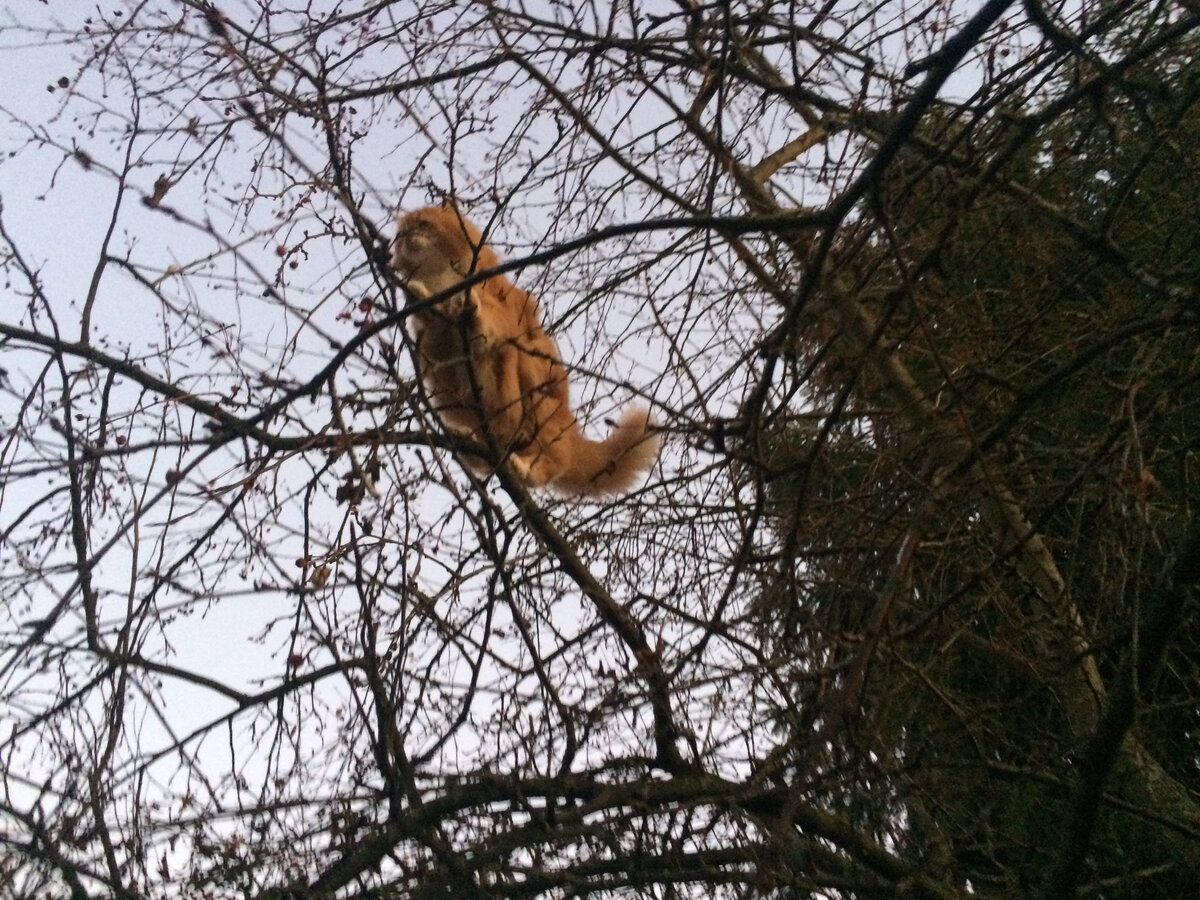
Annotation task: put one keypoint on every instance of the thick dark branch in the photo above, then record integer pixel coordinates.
(576, 798)
(1163, 609)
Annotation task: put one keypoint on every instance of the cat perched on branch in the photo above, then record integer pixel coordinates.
(494, 376)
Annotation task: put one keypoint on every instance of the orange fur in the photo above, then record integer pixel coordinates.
(494, 375)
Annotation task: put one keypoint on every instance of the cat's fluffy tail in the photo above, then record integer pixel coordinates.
(612, 465)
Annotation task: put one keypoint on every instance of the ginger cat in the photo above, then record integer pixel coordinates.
(494, 376)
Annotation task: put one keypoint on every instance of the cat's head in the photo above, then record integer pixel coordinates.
(430, 239)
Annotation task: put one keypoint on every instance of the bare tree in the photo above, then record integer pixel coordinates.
(902, 610)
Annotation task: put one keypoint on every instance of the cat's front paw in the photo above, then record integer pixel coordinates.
(519, 467)
(456, 306)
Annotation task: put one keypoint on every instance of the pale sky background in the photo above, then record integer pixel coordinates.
(57, 214)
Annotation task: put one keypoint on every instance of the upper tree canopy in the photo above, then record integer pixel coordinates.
(905, 608)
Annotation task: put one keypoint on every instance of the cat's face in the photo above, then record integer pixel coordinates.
(416, 244)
